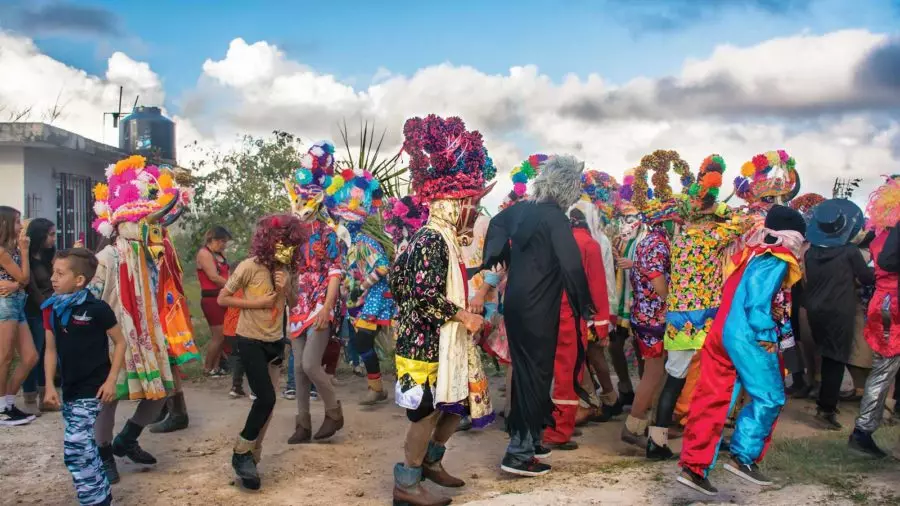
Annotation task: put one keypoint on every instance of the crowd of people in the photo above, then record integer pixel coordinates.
(722, 305)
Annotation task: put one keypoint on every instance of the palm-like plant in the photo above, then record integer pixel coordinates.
(388, 171)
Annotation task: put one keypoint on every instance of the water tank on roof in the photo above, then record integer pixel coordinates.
(147, 132)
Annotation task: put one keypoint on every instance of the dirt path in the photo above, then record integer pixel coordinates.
(355, 468)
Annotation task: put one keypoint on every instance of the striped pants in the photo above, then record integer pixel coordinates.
(80, 452)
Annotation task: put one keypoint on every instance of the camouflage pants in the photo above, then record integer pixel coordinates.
(80, 452)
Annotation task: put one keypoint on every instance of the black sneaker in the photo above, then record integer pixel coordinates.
(12, 416)
(749, 472)
(828, 421)
(531, 468)
(696, 482)
(542, 452)
(245, 468)
(236, 392)
(657, 452)
(862, 442)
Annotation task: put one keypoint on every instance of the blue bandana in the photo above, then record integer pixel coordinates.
(62, 304)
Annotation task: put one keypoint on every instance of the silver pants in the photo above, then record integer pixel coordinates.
(871, 408)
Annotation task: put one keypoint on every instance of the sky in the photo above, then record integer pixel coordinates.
(605, 80)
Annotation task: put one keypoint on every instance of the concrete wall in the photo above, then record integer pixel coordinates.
(12, 177)
(42, 167)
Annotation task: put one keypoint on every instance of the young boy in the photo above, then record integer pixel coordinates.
(77, 325)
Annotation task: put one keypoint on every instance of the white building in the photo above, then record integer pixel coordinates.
(48, 172)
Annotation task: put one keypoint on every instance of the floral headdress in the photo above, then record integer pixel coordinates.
(314, 174)
(768, 177)
(403, 217)
(134, 192)
(521, 175)
(805, 203)
(884, 205)
(624, 207)
(353, 194)
(446, 160)
(602, 190)
(663, 206)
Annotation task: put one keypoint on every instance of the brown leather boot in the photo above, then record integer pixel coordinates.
(302, 430)
(433, 470)
(333, 422)
(375, 394)
(408, 489)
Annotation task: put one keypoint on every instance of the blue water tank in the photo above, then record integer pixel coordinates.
(147, 132)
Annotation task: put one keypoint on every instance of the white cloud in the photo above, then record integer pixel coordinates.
(801, 93)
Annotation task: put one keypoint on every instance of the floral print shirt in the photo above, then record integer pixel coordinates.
(419, 283)
(651, 260)
(695, 289)
(321, 262)
(368, 294)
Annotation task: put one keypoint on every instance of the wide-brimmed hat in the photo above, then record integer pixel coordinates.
(834, 222)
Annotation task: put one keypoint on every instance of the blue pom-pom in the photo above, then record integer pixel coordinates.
(377, 193)
(520, 177)
(360, 182)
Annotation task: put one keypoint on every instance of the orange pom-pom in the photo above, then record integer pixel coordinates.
(711, 180)
(748, 169)
(101, 192)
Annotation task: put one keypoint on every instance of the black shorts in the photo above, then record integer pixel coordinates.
(426, 407)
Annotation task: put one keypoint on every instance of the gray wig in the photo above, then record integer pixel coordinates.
(559, 180)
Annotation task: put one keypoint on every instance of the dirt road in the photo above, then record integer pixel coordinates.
(355, 468)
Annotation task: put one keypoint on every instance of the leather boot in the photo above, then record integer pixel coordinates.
(109, 464)
(433, 470)
(408, 489)
(302, 430)
(126, 445)
(244, 465)
(375, 394)
(177, 419)
(31, 403)
(333, 422)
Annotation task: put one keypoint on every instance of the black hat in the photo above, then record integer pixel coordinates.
(784, 218)
(834, 222)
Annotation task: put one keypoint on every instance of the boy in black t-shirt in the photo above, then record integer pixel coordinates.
(77, 325)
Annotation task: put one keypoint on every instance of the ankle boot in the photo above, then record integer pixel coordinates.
(31, 403)
(302, 430)
(177, 419)
(163, 413)
(109, 464)
(244, 465)
(375, 394)
(408, 489)
(126, 445)
(433, 470)
(333, 422)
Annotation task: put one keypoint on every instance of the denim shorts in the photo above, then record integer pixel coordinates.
(12, 308)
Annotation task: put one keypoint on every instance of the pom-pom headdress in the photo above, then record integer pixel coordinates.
(403, 217)
(521, 175)
(884, 205)
(314, 174)
(353, 194)
(768, 177)
(137, 192)
(805, 203)
(663, 206)
(705, 190)
(446, 160)
(602, 190)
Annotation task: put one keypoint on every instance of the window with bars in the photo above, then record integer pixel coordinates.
(75, 211)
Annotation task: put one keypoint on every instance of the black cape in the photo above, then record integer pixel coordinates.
(831, 298)
(535, 242)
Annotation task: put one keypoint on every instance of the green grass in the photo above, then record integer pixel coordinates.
(826, 460)
(194, 369)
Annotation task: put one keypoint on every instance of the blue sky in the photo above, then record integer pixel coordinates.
(353, 39)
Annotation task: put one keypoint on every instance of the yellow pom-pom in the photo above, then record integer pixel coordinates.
(132, 162)
(165, 198)
(748, 169)
(774, 159)
(353, 205)
(337, 182)
(101, 192)
(165, 181)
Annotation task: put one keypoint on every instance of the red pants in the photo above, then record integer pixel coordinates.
(564, 396)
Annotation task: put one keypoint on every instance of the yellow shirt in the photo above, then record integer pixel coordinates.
(256, 281)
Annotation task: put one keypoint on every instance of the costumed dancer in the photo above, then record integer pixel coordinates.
(534, 241)
(833, 267)
(315, 317)
(600, 195)
(132, 209)
(694, 290)
(650, 280)
(741, 352)
(266, 279)
(439, 372)
(629, 231)
(882, 329)
(403, 217)
(370, 305)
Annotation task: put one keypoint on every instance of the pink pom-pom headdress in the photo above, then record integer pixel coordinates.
(403, 217)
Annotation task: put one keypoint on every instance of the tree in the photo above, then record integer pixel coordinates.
(235, 189)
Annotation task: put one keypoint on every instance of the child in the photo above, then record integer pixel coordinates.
(77, 325)
(14, 333)
(265, 277)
